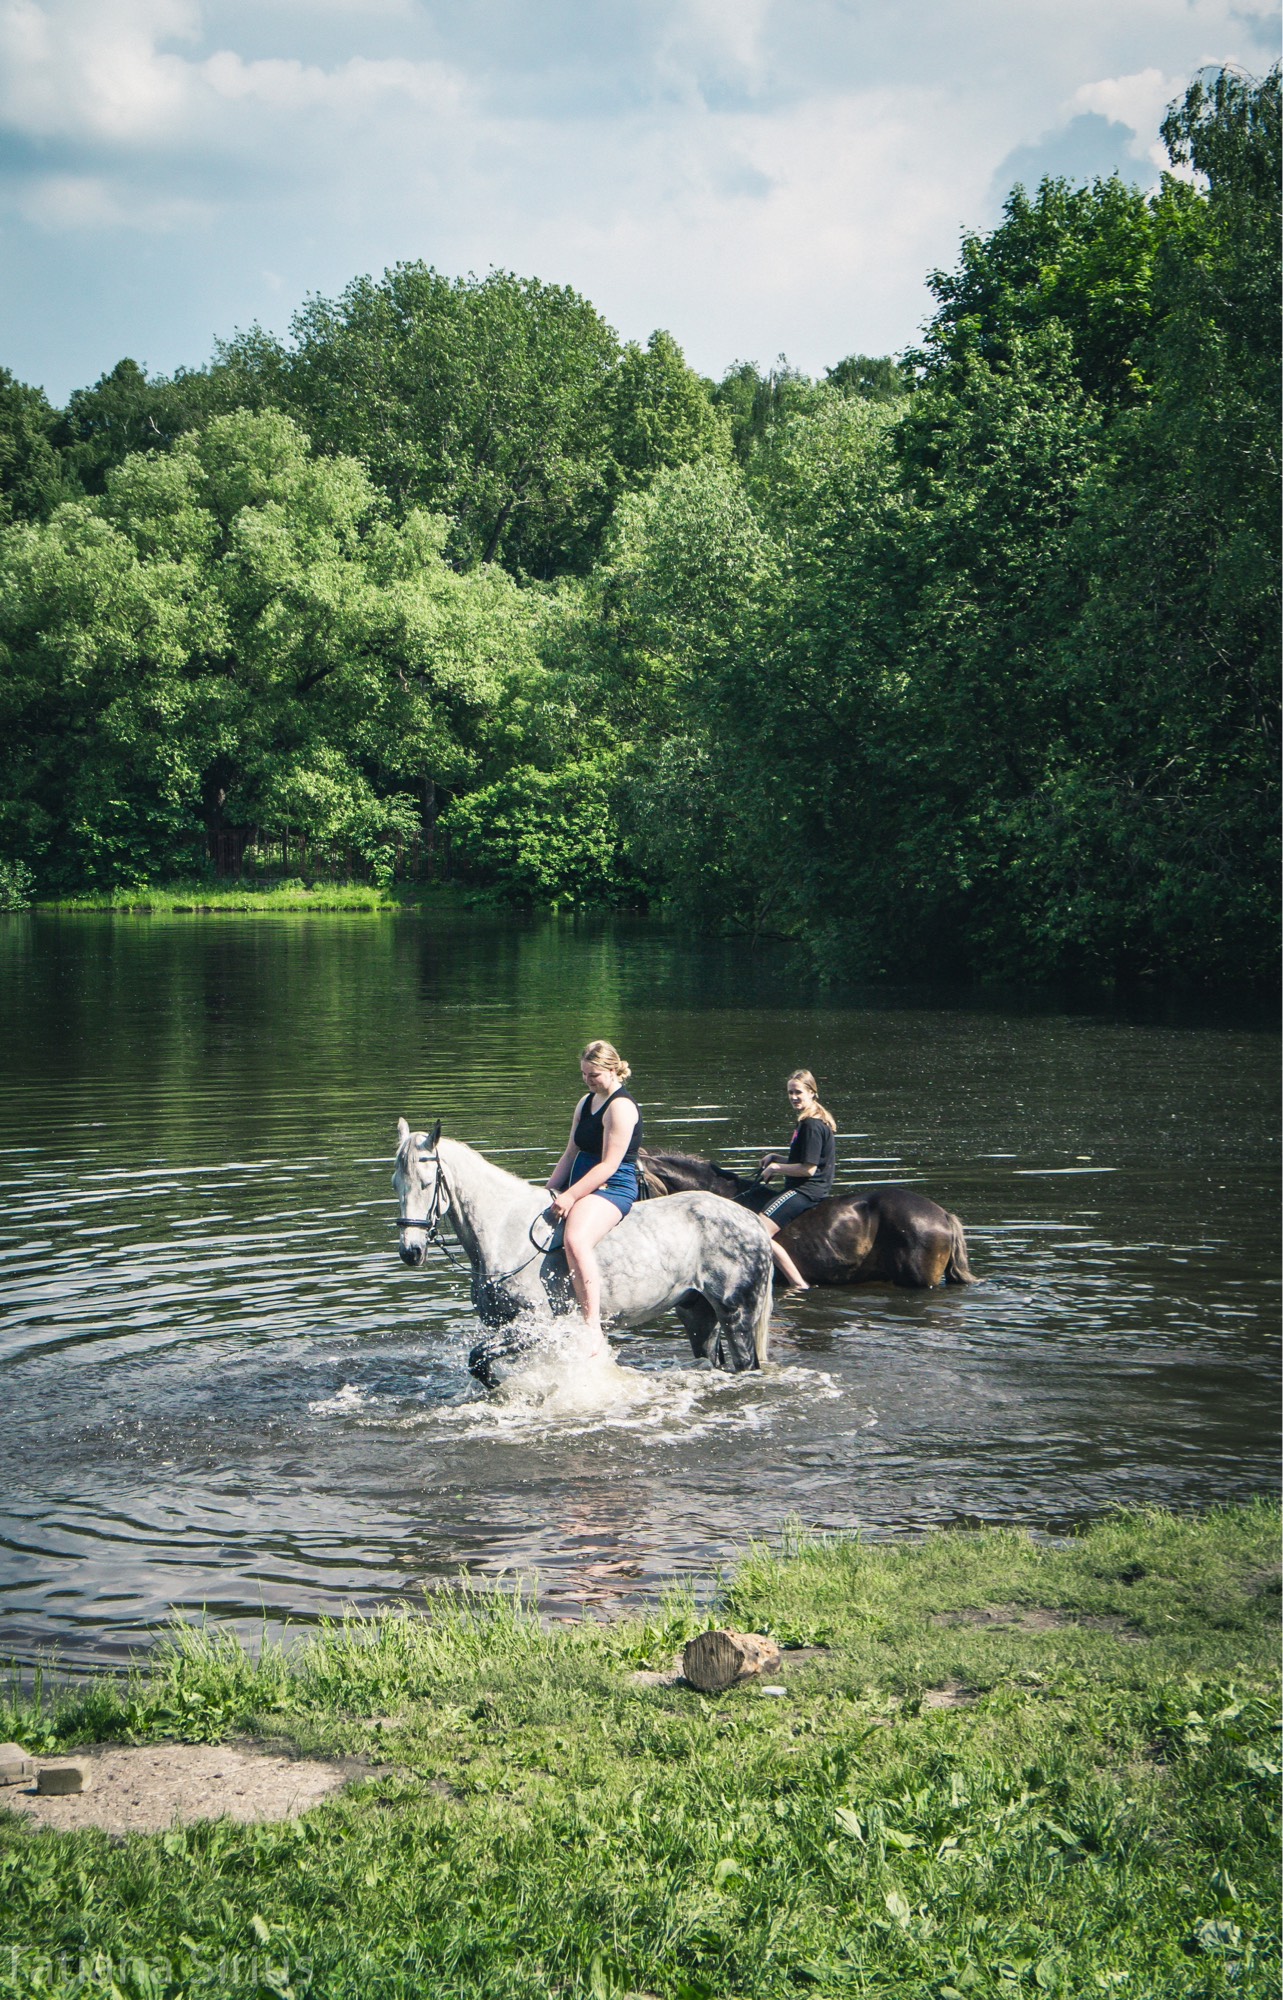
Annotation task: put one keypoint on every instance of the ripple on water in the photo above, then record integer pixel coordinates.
(221, 1388)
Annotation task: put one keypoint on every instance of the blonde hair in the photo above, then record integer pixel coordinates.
(807, 1081)
(609, 1057)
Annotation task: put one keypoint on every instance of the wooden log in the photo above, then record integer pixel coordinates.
(716, 1660)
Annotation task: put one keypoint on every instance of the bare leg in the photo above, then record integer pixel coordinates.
(783, 1262)
(591, 1218)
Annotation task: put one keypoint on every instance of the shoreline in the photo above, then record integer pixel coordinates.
(999, 1766)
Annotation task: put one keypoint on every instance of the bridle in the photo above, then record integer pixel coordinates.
(437, 1206)
(431, 1222)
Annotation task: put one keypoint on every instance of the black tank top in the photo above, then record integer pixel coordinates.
(590, 1134)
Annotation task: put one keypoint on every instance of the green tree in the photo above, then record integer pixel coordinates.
(483, 399)
(31, 476)
(875, 377)
(753, 403)
(547, 836)
(236, 634)
(661, 414)
(1163, 844)
(127, 411)
(1081, 256)
(502, 402)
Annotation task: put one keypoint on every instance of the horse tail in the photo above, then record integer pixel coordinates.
(762, 1318)
(957, 1271)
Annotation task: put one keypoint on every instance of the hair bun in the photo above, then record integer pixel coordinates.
(609, 1057)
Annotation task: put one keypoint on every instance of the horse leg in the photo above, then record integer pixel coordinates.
(500, 1348)
(919, 1261)
(743, 1326)
(701, 1323)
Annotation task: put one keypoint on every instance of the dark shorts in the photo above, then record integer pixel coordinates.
(778, 1208)
(621, 1188)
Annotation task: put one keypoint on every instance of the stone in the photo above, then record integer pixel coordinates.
(16, 1768)
(56, 1780)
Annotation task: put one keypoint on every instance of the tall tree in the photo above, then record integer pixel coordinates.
(31, 475)
(483, 399)
(1082, 256)
(235, 634)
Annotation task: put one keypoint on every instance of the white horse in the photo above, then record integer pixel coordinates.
(707, 1259)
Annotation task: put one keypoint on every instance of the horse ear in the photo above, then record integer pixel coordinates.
(433, 1136)
(402, 1133)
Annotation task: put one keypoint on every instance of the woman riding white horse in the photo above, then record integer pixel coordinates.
(695, 1254)
(594, 1183)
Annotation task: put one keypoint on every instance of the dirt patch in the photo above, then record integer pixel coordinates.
(1038, 1618)
(148, 1787)
(660, 1677)
(950, 1694)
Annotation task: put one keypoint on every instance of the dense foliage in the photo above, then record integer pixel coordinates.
(965, 662)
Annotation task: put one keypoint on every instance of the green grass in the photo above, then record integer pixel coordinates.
(185, 897)
(1097, 1819)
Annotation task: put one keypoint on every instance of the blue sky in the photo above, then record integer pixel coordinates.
(758, 176)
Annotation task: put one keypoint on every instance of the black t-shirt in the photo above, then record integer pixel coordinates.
(813, 1145)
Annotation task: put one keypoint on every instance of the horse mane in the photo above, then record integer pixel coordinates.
(705, 1173)
(416, 1143)
(446, 1147)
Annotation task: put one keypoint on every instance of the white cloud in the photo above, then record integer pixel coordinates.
(758, 175)
(717, 40)
(747, 233)
(63, 202)
(1139, 102)
(287, 85)
(70, 67)
(96, 70)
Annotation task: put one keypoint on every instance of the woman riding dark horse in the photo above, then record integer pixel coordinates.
(594, 1183)
(808, 1169)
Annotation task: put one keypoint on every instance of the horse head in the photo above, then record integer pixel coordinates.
(422, 1195)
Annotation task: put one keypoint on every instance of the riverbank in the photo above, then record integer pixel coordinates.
(998, 1768)
(192, 897)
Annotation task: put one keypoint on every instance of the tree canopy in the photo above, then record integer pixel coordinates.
(960, 661)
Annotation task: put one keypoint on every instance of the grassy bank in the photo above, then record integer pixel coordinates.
(185, 897)
(999, 1769)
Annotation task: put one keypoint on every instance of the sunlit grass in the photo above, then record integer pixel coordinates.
(195, 897)
(1095, 1816)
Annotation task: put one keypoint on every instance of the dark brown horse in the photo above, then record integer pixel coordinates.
(889, 1233)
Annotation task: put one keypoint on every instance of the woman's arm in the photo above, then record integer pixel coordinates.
(795, 1170)
(561, 1172)
(616, 1131)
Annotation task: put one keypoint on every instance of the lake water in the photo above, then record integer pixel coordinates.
(223, 1392)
